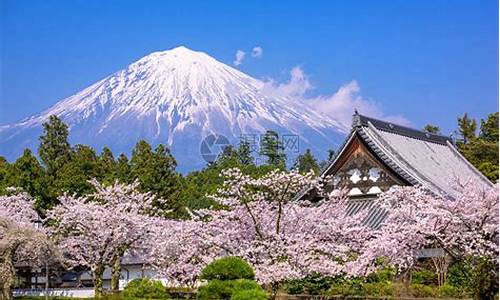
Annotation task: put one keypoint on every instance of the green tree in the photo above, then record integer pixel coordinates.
(306, 162)
(122, 169)
(4, 175)
(54, 149)
(245, 153)
(489, 128)
(74, 176)
(467, 128)
(28, 174)
(481, 151)
(107, 166)
(430, 128)
(273, 149)
(156, 173)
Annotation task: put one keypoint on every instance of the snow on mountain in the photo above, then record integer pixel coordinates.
(176, 97)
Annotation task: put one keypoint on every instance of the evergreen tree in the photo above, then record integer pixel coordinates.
(245, 153)
(432, 129)
(107, 166)
(29, 175)
(156, 173)
(122, 169)
(54, 149)
(332, 153)
(489, 128)
(273, 149)
(481, 151)
(306, 162)
(75, 174)
(467, 128)
(4, 175)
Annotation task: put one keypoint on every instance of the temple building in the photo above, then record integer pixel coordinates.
(378, 155)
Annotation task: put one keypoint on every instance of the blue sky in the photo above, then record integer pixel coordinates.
(427, 61)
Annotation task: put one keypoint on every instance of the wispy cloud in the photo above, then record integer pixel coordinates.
(257, 52)
(339, 106)
(239, 57)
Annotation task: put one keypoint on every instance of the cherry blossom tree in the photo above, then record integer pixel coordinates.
(261, 222)
(465, 226)
(97, 230)
(20, 240)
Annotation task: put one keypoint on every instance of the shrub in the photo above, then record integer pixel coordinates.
(421, 291)
(216, 289)
(314, 284)
(383, 275)
(423, 277)
(145, 288)
(228, 268)
(379, 289)
(245, 284)
(460, 275)
(225, 289)
(448, 291)
(252, 294)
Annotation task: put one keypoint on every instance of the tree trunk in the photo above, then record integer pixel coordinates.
(9, 274)
(46, 281)
(116, 271)
(98, 272)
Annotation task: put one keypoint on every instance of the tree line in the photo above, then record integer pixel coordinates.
(62, 167)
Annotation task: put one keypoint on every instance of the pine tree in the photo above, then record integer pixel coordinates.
(467, 128)
(106, 162)
(28, 174)
(481, 151)
(430, 128)
(122, 171)
(306, 162)
(54, 149)
(489, 128)
(156, 173)
(74, 176)
(273, 149)
(245, 153)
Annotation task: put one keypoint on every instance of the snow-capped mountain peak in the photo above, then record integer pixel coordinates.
(177, 97)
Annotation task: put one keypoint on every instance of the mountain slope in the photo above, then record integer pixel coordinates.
(176, 97)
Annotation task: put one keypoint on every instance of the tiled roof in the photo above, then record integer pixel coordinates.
(421, 158)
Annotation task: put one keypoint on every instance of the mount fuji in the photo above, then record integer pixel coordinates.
(177, 97)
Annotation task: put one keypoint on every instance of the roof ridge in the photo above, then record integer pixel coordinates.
(362, 121)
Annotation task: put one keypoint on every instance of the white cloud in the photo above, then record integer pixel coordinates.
(239, 57)
(257, 52)
(339, 106)
(296, 87)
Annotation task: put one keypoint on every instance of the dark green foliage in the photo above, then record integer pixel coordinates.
(145, 288)
(489, 128)
(272, 147)
(449, 291)
(74, 176)
(423, 277)
(216, 289)
(245, 153)
(228, 268)
(225, 289)
(421, 291)
(467, 128)
(481, 151)
(254, 294)
(460, 275)
(432, 129)
(314, 284)
(156, 173)
(54, 149)
(306, 162)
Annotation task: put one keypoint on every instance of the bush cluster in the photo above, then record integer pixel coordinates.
(230, 278)
(145, 288)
